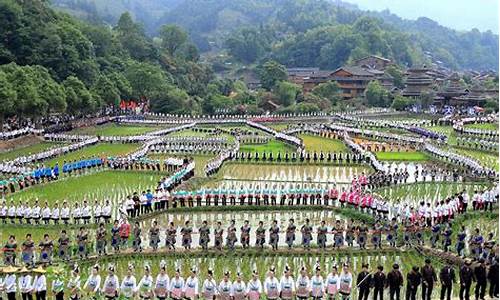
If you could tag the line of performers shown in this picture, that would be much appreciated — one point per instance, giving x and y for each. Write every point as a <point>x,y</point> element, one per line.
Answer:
<point>33,281</point>
<point>337,284</point>
<point>63,214</point>
<point>351,235</point>
<point>308,157</point>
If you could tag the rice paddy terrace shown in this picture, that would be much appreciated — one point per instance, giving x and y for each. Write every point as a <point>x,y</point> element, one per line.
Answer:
<point>288,163</point>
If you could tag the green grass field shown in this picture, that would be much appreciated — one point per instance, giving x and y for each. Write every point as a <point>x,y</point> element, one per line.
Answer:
<point>112,129</point>
<point>484,126</point>
<point>31,149</point>
<point>316,143</point>
<point>488,160</point>
<point>395,131</point>
<point>447,130</point>
<point>278,126</point>
<point>112,185</point>
<point>402,156</point>
<point>199,160</point>
<point>274,146</point>
<point>98,150</point>
<point>191,133</point>
<point>428,192</point>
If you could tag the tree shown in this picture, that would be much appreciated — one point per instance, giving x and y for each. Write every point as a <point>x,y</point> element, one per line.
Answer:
<point>132,38</point>
<point>397,75</point>
<point>401,103</point>
<point>305,107</point>
<point>146,79</point>
<point>172,38</point>
<point>376,95</point>
<point>78,97</point>
<point>247,44</point>
<point>426,98</point>
<point>8,97</point>
<point>217,102</point>
<point>170,100</point>
<point>107,90</point>
<point>270,73</point>
<point>122,84</point>
<point>286,92</point>
<point>323,103</point>
<point>329,90</point>
<point>28,102</point>
<point>491,105</point>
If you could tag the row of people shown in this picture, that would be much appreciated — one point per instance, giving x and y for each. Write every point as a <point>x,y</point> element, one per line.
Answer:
<point>334,283</point>
<point>479,144</point>
<point>461,160</point>
<point>301,157</point>
<point>170,164</point>
<point>15,133</point>
<point>43,173</point>
<point>64,214</point>
<point>337,235</point>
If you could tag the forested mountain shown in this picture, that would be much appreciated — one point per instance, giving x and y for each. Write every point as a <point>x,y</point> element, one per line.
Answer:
<point>51,62</point>
<point>305,32</point>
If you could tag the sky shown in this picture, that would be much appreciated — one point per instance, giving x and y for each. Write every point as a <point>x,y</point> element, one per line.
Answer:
<point>456,14</point>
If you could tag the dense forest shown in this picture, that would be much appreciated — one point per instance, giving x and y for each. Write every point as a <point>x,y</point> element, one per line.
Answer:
<point>53,62</point>
<point>50,63</point>
<point>319,33</point>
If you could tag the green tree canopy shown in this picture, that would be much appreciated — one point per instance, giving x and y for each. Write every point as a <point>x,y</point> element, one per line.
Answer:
<point>286,92</point>
<point>270,73</point>
<point>376,95</point>
<point>172,38</point>
<point>329,90</point>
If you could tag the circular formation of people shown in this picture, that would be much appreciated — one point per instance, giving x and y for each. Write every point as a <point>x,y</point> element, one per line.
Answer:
<point>86,239</point>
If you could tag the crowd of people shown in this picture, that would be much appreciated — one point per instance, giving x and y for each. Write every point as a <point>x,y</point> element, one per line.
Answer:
<point>478,144</point>
<point>302,157</point>
<point>459,127</point>
<point>15,133</point>
<point>461,160</point>
<point>44,173</point>
<point>334,282</point>
<point>38,157</point>
<point>421,226</point>
<point>191,145</point>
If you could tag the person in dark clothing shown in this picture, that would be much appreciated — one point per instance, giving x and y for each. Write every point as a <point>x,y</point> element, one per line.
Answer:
<point>480,277</point>
<point>466,277</point>
<point>394,282</point>
<point>429,277</point>
<point>379,282</point>
<point>447,278</point>
<point>363,283</point>
<point>493,278</point>
<point>413,280</point>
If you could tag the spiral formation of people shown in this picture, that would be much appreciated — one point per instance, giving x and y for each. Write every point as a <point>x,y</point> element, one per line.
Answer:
<point>346,205</point>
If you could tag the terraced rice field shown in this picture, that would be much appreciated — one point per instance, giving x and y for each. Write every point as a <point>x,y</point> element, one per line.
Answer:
<point>28,150</point>
<point>402,156</point>
<point>484,126</point>
<point>100,185</point>
<point>315,143</point>
<point>292,173</point>
<point>428,192</point>
<point>98,150</point>
<point>273,146</point>
<point>113,129</point>
<point>486,159</point>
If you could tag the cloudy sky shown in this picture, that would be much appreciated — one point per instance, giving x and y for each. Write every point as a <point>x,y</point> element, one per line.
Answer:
<point>457,14</point>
